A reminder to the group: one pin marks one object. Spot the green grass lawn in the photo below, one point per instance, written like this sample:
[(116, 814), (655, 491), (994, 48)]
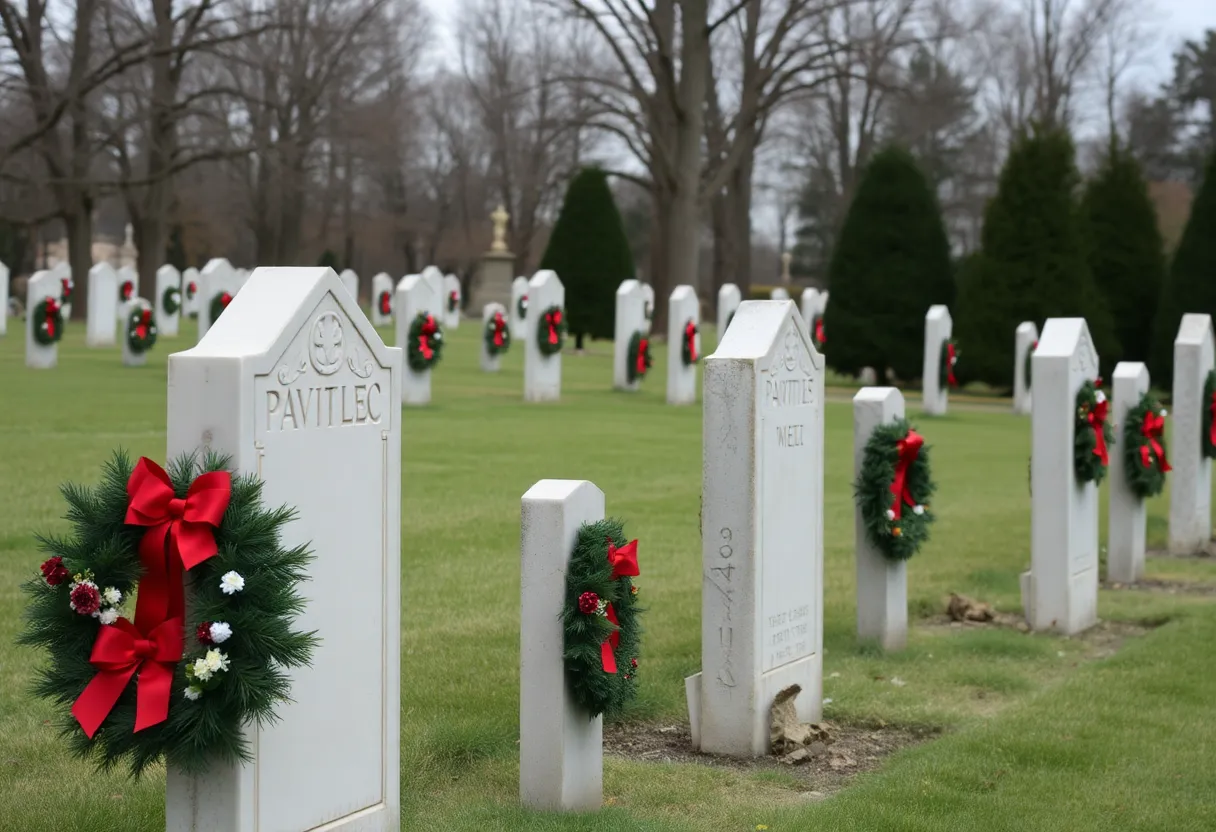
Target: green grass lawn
[(1039, 733)]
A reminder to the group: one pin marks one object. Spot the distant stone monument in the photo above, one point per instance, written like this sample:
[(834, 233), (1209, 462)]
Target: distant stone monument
[(493, 284)]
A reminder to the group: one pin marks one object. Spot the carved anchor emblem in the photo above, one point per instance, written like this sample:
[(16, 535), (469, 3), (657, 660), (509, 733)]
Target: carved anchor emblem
[(326, 351)]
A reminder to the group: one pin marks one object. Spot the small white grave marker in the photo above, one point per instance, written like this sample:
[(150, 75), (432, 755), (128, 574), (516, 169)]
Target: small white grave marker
[(1060, 592), (415, 297), (1024, 339), (131, 358), (630, 319), (102, 315), (4, 284), (1126, 524), (729, 298), (780, 293), (168, 277), (434, 279), (1191, 480), (453, 301), (190, 298), (490, 363), (62, 272), (542, 373), (938, 329), (382, 300), (519, 300), (683, 311), (296, 386), (351, 281), (217, 281), (128, 289), (561, 751), (41, 285), (809, 307), (648, 291)]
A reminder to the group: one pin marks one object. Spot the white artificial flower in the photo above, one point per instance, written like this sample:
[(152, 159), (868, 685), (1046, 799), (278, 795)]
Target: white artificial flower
[(201, 671), (112, 596), (193, 693), (215, 661), (918, 510), (1100, 397), (231, 582), (601, 608), (890, 514), (220, 632), (108, 616), (1164, 413)]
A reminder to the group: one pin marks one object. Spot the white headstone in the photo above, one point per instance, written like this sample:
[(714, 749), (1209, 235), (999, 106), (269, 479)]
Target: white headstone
[(683, 308), (296, 386), (648, 291), (130, 358), (630, 318), (168, 277), (41, 285), (823, 301), (780, 293), (102, 316), (382, 300), (1024, 339), (561, 750), (128, 289), (762, 530), (490, 363), (452, 291), (215, 280), (190, 300), (1191, 480), (62, 272), (542, 374), (868, 377), (809, 307), (414, 297), (3, 299), (519, 291), (351, 281), (1060, 592), (938, 329), (434, 279), (242, 277), (729, 298), (882, 584), (1126, 524)]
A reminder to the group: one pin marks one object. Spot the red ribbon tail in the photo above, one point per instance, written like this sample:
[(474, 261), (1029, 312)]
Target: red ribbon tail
[(1146, 458), (607, 658), (152, 694), (97, 700)]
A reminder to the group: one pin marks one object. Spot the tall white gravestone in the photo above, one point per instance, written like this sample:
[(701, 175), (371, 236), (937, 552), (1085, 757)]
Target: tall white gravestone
[(41, 285), (103, 315), (297, 387), (130, 358), (490, 363), (126, 276), (451, 316), (1060, 592), (630, 318), (882, 584), (1191, 480), (1024, 338), (542, 373), (415, 297), (729, 298), (561, 762), (938, 329), (519, 323), (381, 284), (216, 278), (648, 291), (762, 531), (682, 308), (4, 284), (168, 277), (351, 281), (190, 304), (1126, 523)]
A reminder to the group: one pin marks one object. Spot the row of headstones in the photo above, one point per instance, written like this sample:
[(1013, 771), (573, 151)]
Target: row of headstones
[(444, 298)]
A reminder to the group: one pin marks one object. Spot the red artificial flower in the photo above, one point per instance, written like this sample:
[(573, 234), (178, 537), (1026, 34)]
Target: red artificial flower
[(203, 633), (86, 599), (53, 571), (127, 288), (588, 603), (633, 663)]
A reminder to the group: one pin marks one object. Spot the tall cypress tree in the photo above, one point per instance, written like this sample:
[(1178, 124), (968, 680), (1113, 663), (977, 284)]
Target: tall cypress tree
[(590, 253), (889, 265), (1191, 283)]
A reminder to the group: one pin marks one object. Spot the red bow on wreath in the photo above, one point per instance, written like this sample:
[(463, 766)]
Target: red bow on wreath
[(386, 303), (819, 336), (640, 366), (429, 328), (145, 322), (690, 337), (52, 309), (554, 321), (225, 299), (500, 329), (191, 288), (1212, 413), (127, 288), (66, 283), (950, 359), (1097, 421), (120, 650), (1152, 429), (909, 449), (624, 564)]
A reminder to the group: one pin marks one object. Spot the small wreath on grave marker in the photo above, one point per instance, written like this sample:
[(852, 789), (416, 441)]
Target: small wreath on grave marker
[(948, 358), (204, 673), (498, 335), (48, 321), (453, 301), (1092, 434), (637, 359), (1144, 452), (125, 290), (817, 332), (171, 300), (1208, 419), (602, 636), (688, 347), (425, 340), (1027, 363), (191, 290), (66, 288), (551, 332), (893, 489), (141, 330), (521, 306), (218, 304), (385, 303)]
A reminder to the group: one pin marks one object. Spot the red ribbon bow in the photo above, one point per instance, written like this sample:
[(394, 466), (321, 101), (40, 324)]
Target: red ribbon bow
[(641, 365), (909, 449), (1212, 412), (386, 303), (66, 283), (554, 320), (819, 335), (690, 336), (1152, 429), (191, 288), (429, 328), (127, 288), (225, 299), (52, 309), (624, 564), (145, 321), (500, 329), (120, 650), (950, 379), (1097, 420)]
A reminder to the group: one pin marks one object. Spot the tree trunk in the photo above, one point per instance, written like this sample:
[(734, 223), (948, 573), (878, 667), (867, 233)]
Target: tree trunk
[(79, 225), (739, 204), (657, 279)]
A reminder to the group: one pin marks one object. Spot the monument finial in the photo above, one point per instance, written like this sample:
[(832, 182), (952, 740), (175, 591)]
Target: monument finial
[(499, 218), (786, 259)]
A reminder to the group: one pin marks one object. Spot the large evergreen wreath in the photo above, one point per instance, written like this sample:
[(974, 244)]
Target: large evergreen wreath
[(637, 358), (48, 321), (497, 335), (126, 290), (947, 358), (1092, 434), (1144, 452), (141, 330), (171, 300), (688, 346), (211, 669), (1207, 419), (218, 304), (551, 331), (385, 302), (602, 636), (425, 342), (893, 490)]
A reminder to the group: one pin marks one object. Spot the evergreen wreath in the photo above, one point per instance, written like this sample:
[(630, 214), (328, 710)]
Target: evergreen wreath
[(1144, 451), (893, 489), (497, 335), (602, 636), (637, 359), (1027, 362), (688, 347), (126, 290), (1092, 434), (425, 342), (521, 306), (171, 300), (1207, 420), (551, 331), (218, 304), (48, 321), (818, 336), (453, 301), (386, 303), (948, 357), (141, 330), (226, 667), (191, 290)]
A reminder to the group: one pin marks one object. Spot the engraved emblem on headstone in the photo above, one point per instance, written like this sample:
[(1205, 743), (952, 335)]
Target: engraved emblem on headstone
[(326, 352)]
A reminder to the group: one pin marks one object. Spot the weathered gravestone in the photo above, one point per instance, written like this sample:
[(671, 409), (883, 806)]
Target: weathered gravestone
[(519, 307), (490, 362), (218, 284), (295, 385), (762, 531), (561, 751), (4, 284), (542, 373), (131, 358), (415, 296), (452, 301), (1191, 480), (351, 281), (1126, 523), (729, 298), (1060, 592), (683, 345), (168, 284), (382, 300), (190, 295), (40, 286), (882, 583), (630, 319), (102, 316), (780, 293), (1024, 339), (128, 288), (938, 329)]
